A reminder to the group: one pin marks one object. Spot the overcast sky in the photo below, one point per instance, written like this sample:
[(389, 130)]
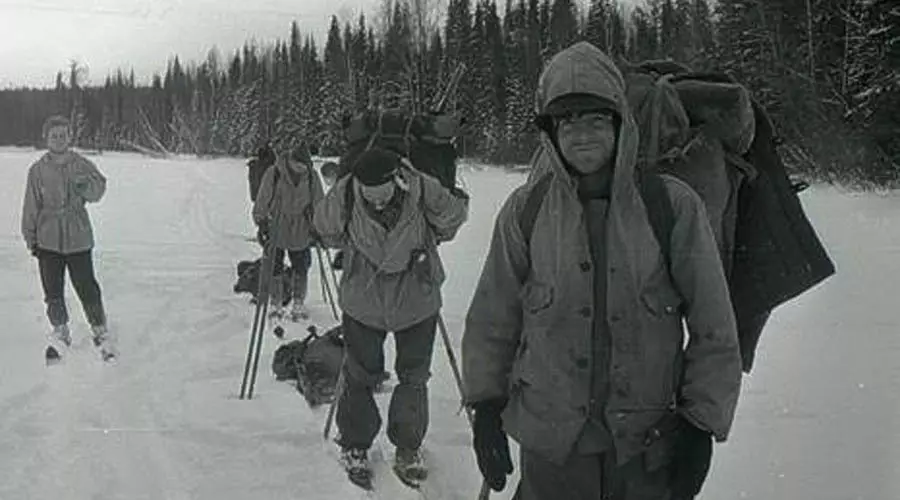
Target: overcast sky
[(40, 37)]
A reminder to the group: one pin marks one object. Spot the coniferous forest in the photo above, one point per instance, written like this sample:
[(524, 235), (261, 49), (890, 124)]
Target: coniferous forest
[(828, 71)]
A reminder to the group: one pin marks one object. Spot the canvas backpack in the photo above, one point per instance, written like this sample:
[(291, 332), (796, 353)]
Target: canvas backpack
[(314, 363)]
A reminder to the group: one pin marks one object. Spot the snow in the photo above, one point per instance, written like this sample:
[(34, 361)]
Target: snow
[(818, 418)]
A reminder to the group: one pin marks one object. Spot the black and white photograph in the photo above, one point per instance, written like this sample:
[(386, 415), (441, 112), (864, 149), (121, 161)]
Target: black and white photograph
[(449, 249)]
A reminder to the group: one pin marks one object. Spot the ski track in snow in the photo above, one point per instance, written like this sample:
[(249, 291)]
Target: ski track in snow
[(818, 418)]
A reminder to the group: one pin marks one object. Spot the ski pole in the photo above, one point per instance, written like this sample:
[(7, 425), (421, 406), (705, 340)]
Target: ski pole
[(322, 284), (338, 391), (266, 296), (334, 278), (485, 491), (268, 274), (271, 273), (259, 320), (324, 277), (252, 342), (453, 363)]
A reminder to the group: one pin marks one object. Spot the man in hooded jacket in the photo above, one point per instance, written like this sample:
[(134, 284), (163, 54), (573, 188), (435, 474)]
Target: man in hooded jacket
[(574, 342)]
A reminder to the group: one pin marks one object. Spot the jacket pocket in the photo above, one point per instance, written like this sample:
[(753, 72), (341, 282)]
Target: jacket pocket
[(660, 441), (536, 297), (663, 302)]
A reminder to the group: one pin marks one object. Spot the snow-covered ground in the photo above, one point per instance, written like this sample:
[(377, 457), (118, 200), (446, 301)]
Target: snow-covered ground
[(819, 417)]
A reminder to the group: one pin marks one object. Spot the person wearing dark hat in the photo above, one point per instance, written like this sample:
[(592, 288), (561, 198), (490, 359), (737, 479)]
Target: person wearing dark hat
[(283, 213), (257, 167), (388, 218), (573, 343), (329, 173)]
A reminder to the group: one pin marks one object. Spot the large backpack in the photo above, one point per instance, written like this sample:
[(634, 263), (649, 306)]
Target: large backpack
[(425, 139), (248, 272), (314, 363), (706, 130)]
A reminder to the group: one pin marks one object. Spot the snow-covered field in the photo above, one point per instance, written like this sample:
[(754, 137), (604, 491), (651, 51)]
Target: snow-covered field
[(819, 417)]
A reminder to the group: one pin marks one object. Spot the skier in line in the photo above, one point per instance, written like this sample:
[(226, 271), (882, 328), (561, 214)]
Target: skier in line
[(388, 224), (284, 209), (257, 167), (573, 342), (57, 230)]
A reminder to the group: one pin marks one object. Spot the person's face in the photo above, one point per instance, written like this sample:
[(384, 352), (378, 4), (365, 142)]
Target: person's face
[(587, 140), (378, 196), (58, 139)]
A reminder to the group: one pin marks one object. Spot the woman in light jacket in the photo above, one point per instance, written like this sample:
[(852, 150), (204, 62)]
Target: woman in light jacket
[(58, 232)]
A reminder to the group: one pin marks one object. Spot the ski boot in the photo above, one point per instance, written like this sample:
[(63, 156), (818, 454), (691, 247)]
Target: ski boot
[(59, 340), (105, 341), (356, 463), (409, 466)]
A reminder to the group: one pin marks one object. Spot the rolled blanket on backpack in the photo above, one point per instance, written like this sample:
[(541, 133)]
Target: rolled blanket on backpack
[(724, 110)]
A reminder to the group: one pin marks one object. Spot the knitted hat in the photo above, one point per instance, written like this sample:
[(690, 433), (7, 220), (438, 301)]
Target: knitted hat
[(376, 166), (329, 169), (578, 103)]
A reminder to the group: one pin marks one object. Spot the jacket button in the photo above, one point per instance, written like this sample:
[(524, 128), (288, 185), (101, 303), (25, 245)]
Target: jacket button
[(582, 363), (585, 266), (586, 311)]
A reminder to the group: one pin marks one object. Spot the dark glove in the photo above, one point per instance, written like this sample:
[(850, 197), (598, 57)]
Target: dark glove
[(491, 444), (34, 250), (691, 460)]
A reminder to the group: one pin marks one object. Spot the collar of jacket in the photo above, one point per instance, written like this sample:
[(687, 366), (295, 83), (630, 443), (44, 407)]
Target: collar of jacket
[(389, 249)]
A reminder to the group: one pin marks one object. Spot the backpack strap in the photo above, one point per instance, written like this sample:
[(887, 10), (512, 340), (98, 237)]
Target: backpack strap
[(654, 194), (660, 213), (275, 175), (529, 213), (349, 201)]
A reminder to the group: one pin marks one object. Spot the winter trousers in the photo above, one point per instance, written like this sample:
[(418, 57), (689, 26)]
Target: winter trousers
[(357, 414), (53, 267), (301, 261), (591, 477)]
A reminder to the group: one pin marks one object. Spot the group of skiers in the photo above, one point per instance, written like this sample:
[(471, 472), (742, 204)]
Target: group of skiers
[(573, 341)]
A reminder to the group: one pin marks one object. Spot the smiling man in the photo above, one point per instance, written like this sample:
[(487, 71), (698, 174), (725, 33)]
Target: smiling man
[(573, 342)]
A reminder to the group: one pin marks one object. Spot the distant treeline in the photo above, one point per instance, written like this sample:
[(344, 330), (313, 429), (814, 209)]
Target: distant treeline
[(828, 71)]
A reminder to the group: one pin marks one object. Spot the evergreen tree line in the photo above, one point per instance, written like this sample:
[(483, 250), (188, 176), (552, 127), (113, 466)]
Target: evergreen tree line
[(827, 70)]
